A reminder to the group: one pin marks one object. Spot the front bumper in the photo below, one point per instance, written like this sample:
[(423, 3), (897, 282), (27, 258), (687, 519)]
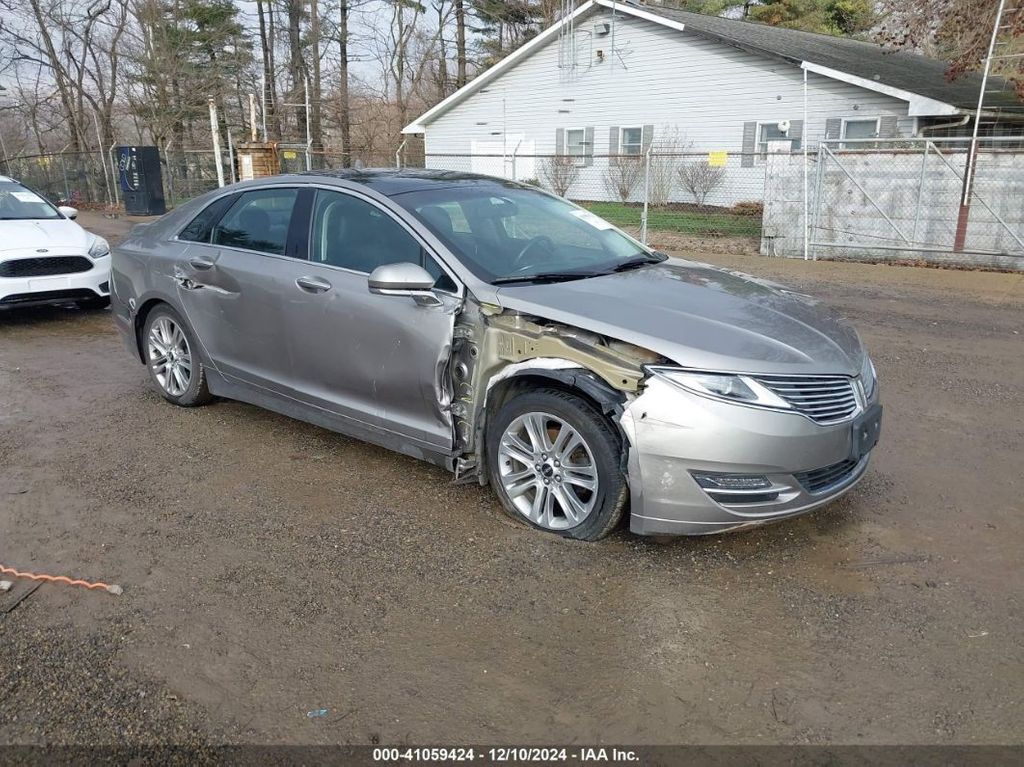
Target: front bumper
[(673, 433), (56, 288)]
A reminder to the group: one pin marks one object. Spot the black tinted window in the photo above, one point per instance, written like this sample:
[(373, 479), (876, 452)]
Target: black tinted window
[(354, 234), (258, 221), (200, 228)]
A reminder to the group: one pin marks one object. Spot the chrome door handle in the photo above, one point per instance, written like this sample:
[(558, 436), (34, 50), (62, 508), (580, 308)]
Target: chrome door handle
[(201, 262), (313, 284)]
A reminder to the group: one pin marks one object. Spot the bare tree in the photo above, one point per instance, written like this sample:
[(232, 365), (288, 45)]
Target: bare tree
[(701, 178), (559, 173), (623, 176)]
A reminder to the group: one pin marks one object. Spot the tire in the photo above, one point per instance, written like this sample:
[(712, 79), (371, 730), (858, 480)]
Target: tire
[(172, 358), (93, 304), (531, 459)]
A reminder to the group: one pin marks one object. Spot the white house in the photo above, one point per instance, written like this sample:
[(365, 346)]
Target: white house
[(614, 77)]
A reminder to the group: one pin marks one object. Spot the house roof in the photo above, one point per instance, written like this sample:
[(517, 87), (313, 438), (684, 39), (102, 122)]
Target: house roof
[(904, 71), (919, 80)]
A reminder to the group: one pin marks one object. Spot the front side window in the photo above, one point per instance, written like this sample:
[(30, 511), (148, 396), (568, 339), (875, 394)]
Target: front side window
[(632, 141), (516, 233), (259, 220), (354, 234), (576, 143), (20, 203)]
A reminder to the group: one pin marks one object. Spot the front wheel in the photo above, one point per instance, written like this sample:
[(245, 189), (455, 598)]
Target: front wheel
[(554, 461), (172, 358)]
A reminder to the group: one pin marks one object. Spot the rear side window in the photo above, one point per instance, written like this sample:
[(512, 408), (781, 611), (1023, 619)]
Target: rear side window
[(258, 220), (200, 229)]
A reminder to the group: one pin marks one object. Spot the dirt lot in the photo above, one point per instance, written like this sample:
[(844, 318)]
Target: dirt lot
[(271, 568)]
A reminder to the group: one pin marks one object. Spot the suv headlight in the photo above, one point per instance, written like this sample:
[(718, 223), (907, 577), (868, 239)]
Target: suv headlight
[(99, 248), (868, 377), (729, 387)]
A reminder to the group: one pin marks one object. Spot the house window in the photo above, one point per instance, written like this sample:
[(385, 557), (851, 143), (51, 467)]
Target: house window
[(860, 129), (576, 144), (631, 141), (768, 132)]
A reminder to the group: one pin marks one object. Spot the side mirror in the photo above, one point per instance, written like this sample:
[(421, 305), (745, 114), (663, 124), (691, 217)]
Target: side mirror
[(405, 279), (67, 212)]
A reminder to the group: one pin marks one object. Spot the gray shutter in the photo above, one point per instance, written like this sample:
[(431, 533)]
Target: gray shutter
[(887, 126), (833, 128), (647, 136), (588, 146), (559, 141), (613, 145), (749, 144), (796, 133)]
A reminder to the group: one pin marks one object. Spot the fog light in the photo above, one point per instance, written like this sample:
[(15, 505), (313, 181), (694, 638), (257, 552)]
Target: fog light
[(715, 481)]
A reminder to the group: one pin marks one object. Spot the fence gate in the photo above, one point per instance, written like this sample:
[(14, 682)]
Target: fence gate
[(901, 198)]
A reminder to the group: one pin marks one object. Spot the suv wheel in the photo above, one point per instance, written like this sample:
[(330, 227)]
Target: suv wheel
[(554, 461), (172, 358)]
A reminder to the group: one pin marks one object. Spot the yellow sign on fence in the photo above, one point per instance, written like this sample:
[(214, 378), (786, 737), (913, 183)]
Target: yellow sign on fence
[(717, 159), (289, 155)]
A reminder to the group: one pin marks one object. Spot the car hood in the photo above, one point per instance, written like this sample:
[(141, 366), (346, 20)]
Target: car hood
[(700, 316), (56, 234)]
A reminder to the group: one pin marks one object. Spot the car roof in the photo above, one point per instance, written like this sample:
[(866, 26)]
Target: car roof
[(392, 181)]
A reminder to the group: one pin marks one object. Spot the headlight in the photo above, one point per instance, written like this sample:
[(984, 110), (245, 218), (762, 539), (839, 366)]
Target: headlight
[(868, 377), (724, 386), (99, 248)]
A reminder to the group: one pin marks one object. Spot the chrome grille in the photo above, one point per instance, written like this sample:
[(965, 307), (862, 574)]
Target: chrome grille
[(823, 399)]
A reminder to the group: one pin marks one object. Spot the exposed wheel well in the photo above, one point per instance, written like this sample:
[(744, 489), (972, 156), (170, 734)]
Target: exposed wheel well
[(140, 322), (576, 381)]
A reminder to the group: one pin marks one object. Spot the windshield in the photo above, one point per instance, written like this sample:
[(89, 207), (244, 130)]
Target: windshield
[(507, 234), (19, 203)]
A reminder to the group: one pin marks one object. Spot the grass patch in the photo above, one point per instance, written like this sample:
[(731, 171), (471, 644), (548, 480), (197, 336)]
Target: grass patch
[(713, 222)]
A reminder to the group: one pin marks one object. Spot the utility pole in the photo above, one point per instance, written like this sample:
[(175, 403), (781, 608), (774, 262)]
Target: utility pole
[(972, 151), (215, 131)]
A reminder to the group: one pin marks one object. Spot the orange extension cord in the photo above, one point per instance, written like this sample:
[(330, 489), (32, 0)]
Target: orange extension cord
[(111, 588)]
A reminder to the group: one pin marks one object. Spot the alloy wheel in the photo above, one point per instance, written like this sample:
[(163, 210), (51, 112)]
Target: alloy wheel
[(548, 471), (170, 358)]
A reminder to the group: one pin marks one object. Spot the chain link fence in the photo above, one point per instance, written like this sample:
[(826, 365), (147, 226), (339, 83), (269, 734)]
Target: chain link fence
[(884, 200), (870, 199), (74, 178)]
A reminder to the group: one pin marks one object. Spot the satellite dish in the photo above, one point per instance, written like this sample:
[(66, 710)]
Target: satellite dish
[(783, 126)]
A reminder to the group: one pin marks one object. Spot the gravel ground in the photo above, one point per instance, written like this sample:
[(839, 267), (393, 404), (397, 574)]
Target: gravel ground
[(271, 569)]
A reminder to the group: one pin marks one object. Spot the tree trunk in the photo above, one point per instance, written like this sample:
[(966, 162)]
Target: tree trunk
[(315, 123), (269, 95), (460, 43), (344, 111), (297, 66)]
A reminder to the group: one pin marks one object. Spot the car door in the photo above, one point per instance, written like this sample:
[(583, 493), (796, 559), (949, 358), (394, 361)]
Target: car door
[(379, 359), (229, 284)]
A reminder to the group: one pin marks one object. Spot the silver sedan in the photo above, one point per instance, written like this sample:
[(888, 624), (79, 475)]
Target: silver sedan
[(510, 336)]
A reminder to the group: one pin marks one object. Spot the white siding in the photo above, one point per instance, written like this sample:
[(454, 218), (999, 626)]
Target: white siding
[(656, 75)]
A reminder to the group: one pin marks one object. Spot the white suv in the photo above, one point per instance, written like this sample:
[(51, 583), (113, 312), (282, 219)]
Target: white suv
[(45, 257)]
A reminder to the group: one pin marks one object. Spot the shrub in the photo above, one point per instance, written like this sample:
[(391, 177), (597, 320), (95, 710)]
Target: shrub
[(559, 173)]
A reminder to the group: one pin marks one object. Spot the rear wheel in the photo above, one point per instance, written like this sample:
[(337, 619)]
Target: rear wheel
[(554, 461), (172, 358)]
